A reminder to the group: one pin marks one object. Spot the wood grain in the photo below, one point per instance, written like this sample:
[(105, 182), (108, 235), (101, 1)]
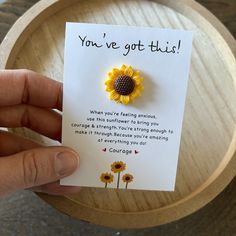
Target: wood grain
[(225, 10), (208, 130), (11, 10)]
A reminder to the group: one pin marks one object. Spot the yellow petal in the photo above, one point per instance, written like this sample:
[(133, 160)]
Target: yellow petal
[(109, 89), (116, 72), (113, 95), (141, 87), (136, 93), (136, 73), (125, 99), (111, 75), (129, 71), (117, 99), (109, 82), (123, 67), (138, 80)]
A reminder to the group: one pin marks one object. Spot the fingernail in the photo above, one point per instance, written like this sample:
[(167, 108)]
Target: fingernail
[(65, 163)]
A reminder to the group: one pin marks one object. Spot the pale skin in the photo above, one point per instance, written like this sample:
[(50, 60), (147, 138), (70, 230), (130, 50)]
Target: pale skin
[(27, 100)]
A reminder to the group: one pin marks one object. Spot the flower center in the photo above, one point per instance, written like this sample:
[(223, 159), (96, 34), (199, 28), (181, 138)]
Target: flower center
[(107, 177), (127, 178), (124, 85), (117, 166)]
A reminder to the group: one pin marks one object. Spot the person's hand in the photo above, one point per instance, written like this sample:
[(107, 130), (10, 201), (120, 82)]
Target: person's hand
[(27, 100)]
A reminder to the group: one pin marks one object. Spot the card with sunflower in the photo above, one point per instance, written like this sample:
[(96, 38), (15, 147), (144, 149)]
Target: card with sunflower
[(123, 104)]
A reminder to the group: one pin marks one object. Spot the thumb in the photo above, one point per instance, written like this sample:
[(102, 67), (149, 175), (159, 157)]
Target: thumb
[(35, 167)]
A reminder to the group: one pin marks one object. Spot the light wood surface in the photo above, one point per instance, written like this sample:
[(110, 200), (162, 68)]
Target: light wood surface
[(207, 156)]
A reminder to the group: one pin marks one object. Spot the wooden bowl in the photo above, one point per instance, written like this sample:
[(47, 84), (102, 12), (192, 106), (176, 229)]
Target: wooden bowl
[(207, 161)]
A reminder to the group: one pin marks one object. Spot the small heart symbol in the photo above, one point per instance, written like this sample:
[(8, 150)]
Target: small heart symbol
[(136, 152), (104, 150)]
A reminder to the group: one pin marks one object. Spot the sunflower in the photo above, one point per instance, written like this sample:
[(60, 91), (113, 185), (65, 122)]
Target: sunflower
[(118, 167), (106, 178), (124, 84), (127, 178)]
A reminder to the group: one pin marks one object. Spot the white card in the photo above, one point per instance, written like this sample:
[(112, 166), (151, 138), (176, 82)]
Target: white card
[(134, 146)]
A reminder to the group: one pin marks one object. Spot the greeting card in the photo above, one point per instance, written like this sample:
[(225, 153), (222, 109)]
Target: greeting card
[(123, 104)]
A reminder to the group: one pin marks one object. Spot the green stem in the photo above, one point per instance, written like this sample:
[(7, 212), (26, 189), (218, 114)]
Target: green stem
[(118, 181), (126, 186), (105, 185)]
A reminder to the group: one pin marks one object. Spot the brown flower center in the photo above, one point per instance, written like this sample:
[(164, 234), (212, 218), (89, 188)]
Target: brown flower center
[(127, 178), (107, 177), (124, 85), (117, 166)]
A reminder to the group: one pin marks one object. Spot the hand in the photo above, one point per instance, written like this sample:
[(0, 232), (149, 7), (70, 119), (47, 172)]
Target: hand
[(27, 100)]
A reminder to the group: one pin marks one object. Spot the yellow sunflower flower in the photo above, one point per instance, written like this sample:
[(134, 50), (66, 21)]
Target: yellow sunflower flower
[(118, 167), (106, 178), (127, 178), (124, 84)]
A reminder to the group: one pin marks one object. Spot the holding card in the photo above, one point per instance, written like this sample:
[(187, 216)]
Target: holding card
[(124, 96)]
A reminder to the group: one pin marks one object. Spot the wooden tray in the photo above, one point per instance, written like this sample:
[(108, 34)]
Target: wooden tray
[(207, 161)]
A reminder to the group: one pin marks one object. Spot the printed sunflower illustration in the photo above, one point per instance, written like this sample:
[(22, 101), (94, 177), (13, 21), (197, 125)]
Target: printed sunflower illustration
[(124, 84), (127, 178), (118, 167), (106, 178)]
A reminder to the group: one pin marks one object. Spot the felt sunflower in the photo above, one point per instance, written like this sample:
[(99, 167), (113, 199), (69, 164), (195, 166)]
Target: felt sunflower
[(127, 178), (106, 178), (124, 84), (118, 167)]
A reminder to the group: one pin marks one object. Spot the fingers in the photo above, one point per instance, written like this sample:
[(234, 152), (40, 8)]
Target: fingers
[(56, 189), (35, 167), (43, 121), (32, 165), (12, 143), (27, 87)]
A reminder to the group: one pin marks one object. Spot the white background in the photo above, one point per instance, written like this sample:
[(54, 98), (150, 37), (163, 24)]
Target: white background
[(165, 83)]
